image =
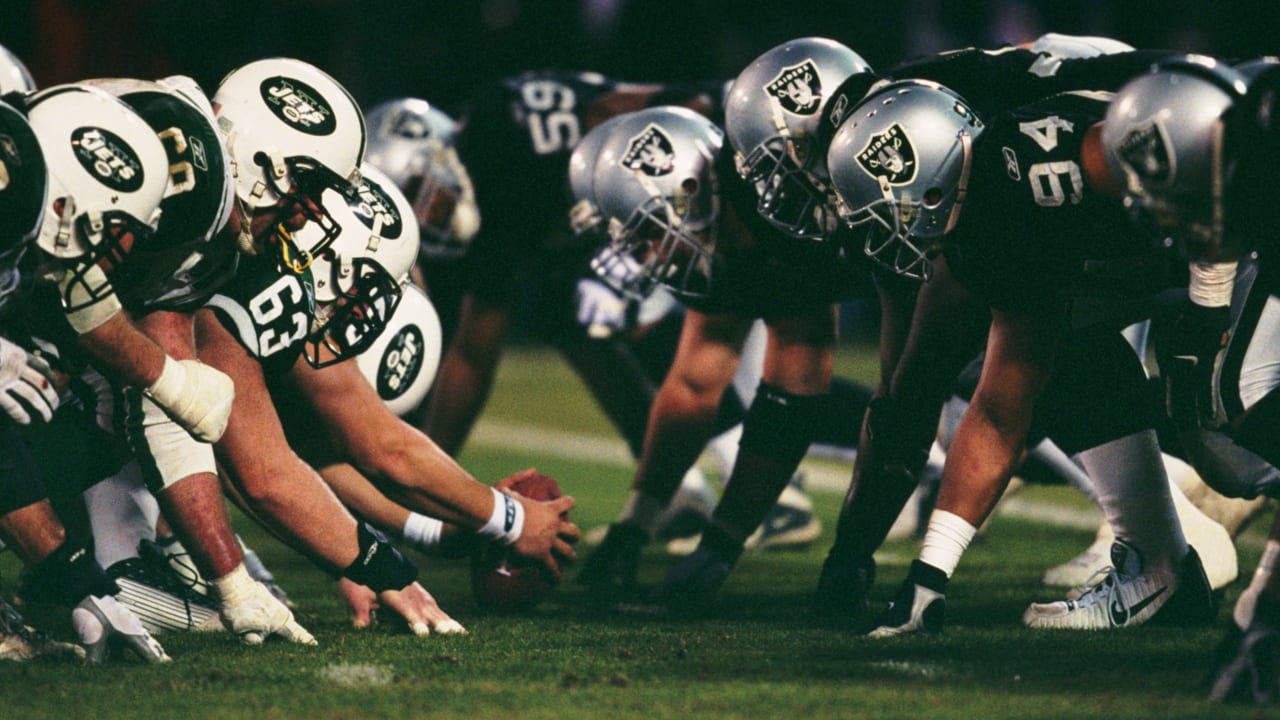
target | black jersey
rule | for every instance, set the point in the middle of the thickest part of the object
(761, 272)
(993, 81)
(515, 142)
(1031, 237)
(267, 310)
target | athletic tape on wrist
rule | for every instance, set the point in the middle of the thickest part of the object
(506, 522)
(1211, 283)
(379, 566)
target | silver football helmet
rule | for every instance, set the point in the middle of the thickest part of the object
(107, 176)
(413, 143)
(772, 116)
(900, 166)
(358, 277)
(292, 132)
(656, 186)
(14, 76)
(1163, 137)
(584, 215)
(24, 181)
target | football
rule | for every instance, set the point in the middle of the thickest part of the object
(502, 581)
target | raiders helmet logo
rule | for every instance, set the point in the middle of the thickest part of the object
(798, 88)
(651, 152)
(298, 105)
(376, 210)
(1145, 153)
(108, 158)
(408, 125)
(889, 156)
(401, 363)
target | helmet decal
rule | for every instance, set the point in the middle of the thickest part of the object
(797, 88)
(889, 157)
(401, 362)
(1145, 152)
(377, 210)
(651, 152)
(108, 158)
(298, 105)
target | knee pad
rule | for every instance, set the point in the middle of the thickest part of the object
(893, 448)
(165, 452)
(780, 425)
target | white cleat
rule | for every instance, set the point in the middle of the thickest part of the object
(103, 624)
(1127, 595)
(1077, 571)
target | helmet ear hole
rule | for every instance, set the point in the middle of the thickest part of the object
(932, 197)
(689, 186)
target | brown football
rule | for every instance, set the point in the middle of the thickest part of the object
(501, 580)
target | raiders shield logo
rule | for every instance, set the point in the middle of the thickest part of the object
(650, 152)
(298, 105)
(1144, 152)
(798, 89)
(107, 158)
(889, 156)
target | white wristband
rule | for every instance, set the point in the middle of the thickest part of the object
(1211, 283)
(507, 520)
(424, 532)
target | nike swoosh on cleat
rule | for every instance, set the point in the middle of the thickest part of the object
(1121, 615)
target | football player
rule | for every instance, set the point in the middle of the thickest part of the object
(676, 216)
(1220, 336)
(922, 176)
(929, 332)
(261, 332)
(42, 442)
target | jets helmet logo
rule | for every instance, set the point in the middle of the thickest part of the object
(401, 363)
(798, 88)
(889, 156)
(108, 158)
(1145, 153)
(298, 105)
(376, 210)
(651, 152)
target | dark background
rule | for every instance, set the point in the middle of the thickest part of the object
(441, 50)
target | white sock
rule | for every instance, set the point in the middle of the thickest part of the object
(424, 532)
(121, 513)
(640, 510)
(946, 540)
(1133, 493)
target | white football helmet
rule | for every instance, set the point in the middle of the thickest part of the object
(358, 277)
(772, 117)
(402, 363)
(1164, 140)
(292, 132)
(413, 143)
(655, 182)
(900, 166)
(24, 181)
(14, 76)
(107, 176)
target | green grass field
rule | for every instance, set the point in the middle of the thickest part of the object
(763, 658)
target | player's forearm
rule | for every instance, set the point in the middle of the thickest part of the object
(123, 351)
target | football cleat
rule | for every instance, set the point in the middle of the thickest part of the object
(688, 510)
(919, 606)
(20, 642)
(790, 524)
(103, 624)
(1251, 670)
(843, 587)
(691, 587)
(1127, 595)
(179, 561)
(611, 570)
(162, 600)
